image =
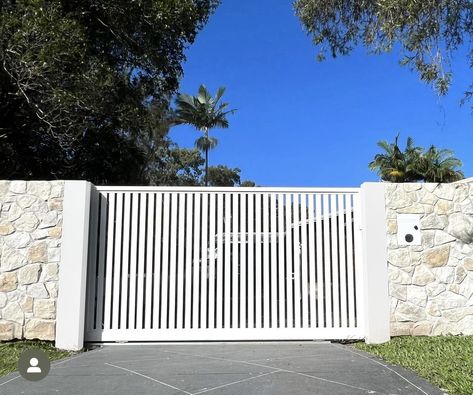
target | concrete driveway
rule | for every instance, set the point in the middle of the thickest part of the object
(222, 368)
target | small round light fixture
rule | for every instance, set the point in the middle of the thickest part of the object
(409, 238)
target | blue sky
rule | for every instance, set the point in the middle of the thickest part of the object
(305, 123)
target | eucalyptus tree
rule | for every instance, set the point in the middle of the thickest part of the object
(203, 112)
(425, 33)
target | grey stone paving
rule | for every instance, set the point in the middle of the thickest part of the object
(222, 368)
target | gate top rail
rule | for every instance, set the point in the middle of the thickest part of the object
(151, 189)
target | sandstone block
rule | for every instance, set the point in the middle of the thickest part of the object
(3, 300)
(444, 327)
(55, 233)
(26, 222)
(40, 329)
(417, 295)
(422, 276)
(41, 189)
(433, 221)
(433, 309)
(13, 312)
(465, 326)
(38, 253)
(445, 191)
(398, 291)
(436, 257)
(37, 291)
(18, 240)
(422, 329)
(449, 300)
(442, 237)
(457, 314)
(6, 330)
(29, 274)
(401, 328)
(8, 281)
(468, 263)
(460, 226)
(6, 228)
(18, 186)
(45, 308)
(443, 207)
(444, 275)
(11, 259)
(391, 226)
(51, 286)
(49, 220)
(54, 254)
(26, 304)
(460, 274)
(409, 312)
(399, 257)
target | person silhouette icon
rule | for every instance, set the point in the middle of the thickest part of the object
(34, 368)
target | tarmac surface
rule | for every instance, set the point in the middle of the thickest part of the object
(222, 368)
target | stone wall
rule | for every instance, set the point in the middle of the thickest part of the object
(30, 240)
(431, 285)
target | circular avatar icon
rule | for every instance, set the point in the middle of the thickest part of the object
(34, 364)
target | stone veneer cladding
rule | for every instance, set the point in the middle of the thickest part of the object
(30, 241)
(431, 285)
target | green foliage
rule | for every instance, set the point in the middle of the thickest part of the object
(204, 112)
(10, 353)
(445, 361)
(427, 32)
(84, 82)
(413, 164)
(223, 176)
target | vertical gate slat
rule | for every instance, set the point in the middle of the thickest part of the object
(140, 273)
(358, 269)
(180, 260)
(122, 268)
(149, 259)
(172, 261)
(188, 260)
(266, 277)
(320, 262)
(158, 264)
(203, 264)
(312, 263)
(111, 197)
(118, 259)
(281, 263)
(243, 262)
(133, 262)
(289, 272)
(274, 264)
(211, 308)
(351, 288)
(333, 236)
(251, 261)
(327, 266)
(297, 260)
(219, 285)
(341, 239)
(304, 277)
(163, 300)
(234, 259)
(196, 263)
(258, 263)
(226, 262)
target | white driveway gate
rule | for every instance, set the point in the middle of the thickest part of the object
(172, 264)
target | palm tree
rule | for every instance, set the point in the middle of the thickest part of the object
(204, 112)
(439, 165)
(395, 165)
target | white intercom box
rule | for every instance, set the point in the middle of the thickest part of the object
(408, 229)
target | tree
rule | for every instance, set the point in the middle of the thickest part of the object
(394, 165)
(414, 164)
(427, 32)
(223, 176)
(81, 81)
(439, 165)
(204, 112)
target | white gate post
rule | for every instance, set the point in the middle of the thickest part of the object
(70, 315)
(375, 271)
